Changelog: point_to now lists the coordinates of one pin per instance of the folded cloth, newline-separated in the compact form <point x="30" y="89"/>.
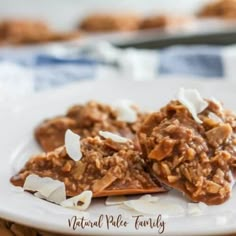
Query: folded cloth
<point x="205" y="61"/>
<point x="32" y="69"/>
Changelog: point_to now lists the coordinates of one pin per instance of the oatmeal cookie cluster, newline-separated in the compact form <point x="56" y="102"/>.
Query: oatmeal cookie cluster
<point x="195" y="158"/>
<point x="86" y="120"/>
<point x="18" y="32"/>
<point x="188" y="145"/>
<point x="129" y="22"/>
<point x="225" y="9"/>
<point x="106" y="168"/>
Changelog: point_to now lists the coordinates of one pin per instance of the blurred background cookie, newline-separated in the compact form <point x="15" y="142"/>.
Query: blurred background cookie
<point x="225" y="9"/>
<point x="110" y="22"/>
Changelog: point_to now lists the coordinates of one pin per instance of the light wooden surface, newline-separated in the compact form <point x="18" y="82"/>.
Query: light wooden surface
<point x="12" y="229"/>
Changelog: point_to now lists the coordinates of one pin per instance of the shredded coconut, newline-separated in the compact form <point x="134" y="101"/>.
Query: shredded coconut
<point x="193" y="101"/>
<point x="72" y="144"/>
<point x="114" y="137"/>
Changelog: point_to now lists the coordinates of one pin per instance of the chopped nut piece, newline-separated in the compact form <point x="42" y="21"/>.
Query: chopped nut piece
<point x="104" y="182"/>
<point x="186" y="173"/>
<point x="190" y="154"/>
<point x="163" y="149"/>
<point x="165" y="169"/>
<point x="67" y="167"/>
<point x="156" y="168"/>
<point x="212" y="187"/>
<point x="219" y="134"/>
<point x="79" y="169"/>
<point x="210" y="122"/>
<point x="172" y="178"/>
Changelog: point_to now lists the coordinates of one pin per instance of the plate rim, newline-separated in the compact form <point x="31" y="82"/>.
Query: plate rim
<point x="29" y="221"/>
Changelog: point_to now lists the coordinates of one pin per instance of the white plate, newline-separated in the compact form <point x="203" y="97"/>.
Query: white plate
<point x="17" y="144"/>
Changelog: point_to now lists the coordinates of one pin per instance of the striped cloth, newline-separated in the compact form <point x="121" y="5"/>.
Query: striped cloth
<point x="27" y="70"/>
<point x="24" y="71"/>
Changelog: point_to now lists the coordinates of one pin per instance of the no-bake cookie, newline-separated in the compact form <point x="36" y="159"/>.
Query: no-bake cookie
<point x="106" y="168"/>
<point x="110" y="22"/>
<point x="86" y="120"/>
<point x="162" y="22"/>
<point x="225" y="9"/>
<point x="195" y="155"/>
<point x="19" y="32"/>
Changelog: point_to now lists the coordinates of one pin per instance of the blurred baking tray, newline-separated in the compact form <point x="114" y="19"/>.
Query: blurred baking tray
<point x="211" y="31"/>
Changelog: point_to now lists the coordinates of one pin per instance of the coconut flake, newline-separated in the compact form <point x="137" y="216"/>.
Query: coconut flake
<point x="232" y="179"/>
<point x="214" y="117"/>
<point x="193" y="101"/>
<point x="148" y="204"/>
<point x="202" y="206"/>
<point x="115" y="200"/>
<point x="39" y="195"/>
<point x="125" y="111"/>
<point x="141" y="206"/>
<point x="46" y="188"/>
<point x="72" y="144"/>
<point x="80" y="202"/>
<point x="151" y="208"/>
<point x="51" y="198"/>
<point x="149" y="198"/>
<point x="114" y="137"/>
<point x="193" y="209"/>
<point x="196" y="209"/>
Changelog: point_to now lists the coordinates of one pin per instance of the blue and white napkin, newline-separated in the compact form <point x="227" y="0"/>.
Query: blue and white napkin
<point x="27" y="70"/>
